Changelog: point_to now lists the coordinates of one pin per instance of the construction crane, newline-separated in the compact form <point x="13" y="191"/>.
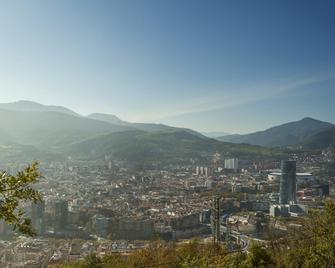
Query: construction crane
<point x="216" y="220"/>
<point x="216" y="160"/>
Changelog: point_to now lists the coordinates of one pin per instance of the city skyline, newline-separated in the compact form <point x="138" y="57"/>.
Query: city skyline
<point x="176" y="133"/>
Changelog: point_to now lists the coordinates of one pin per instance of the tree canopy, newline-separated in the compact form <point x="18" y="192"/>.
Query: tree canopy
<point x="15" y="189"/>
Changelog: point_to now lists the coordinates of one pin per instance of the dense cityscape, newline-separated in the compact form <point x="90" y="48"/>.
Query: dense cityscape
<point x="102" y="207"/>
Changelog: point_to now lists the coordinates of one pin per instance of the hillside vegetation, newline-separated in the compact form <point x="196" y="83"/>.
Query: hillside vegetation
<point x="288" y="134"/>
<point x="164" y="146"/>
<point x="321" y="140"/>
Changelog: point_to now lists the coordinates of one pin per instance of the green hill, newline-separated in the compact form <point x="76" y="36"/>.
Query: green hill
<point x="47" y="129"/>
<point x="165" y="146"/>
<point x="321" y="140"/>
<point x="284" y="135"/>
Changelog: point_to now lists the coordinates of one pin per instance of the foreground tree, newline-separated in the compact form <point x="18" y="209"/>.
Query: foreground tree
<point x="15" y="189"/>
<point x="257" y="256"/>
<point x="187" y="255"/>
<point x="310" y="245"/>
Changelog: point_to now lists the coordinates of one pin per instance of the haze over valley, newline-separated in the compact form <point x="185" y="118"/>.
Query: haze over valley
<point x="60" y="132"/>
<point x="167" y="134"/>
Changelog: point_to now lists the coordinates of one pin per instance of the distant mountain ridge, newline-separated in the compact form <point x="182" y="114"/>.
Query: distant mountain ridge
<point x="283" y="135"/>
<point x="117" y="123"/>
<point x="149" y="127"/>
<point x="31" y="123"/>
<point x="48" y="129"/>
<point x="110" y="118"/>
<point x="115" y="120"/>
<point x="215" y="134"/>
<point x="29" y="129"/>
<point x="30" y="106"/>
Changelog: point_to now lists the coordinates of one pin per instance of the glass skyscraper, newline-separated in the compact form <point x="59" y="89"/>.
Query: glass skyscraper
<point x="288" y="183"/>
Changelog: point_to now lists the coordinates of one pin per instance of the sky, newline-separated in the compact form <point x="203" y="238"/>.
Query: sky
<point x="234" y="66"/>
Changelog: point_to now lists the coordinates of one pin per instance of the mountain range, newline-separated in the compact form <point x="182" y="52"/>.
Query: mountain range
<point x="31" y="123"/>
<point x="290" y="134"/>
<point x="30" y="129"/>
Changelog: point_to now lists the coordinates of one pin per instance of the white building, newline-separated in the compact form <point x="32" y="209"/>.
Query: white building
<point x="231" y="163"/>
<point x="205" y="171"/>
<point x="301" y="177"/>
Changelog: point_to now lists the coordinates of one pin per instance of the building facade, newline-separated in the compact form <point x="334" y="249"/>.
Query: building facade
<point x="231" y="163"/>
<point x="288" y="183"/>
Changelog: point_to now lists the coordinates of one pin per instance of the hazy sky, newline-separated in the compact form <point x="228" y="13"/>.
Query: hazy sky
<point x="235" y="66"/>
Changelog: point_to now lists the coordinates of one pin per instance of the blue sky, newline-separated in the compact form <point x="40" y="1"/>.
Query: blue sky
<point x="235" y="66"/>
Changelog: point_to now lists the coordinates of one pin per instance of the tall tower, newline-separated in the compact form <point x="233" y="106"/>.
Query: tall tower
<point x="60" y="215"/>
<point x="37" y="216"/>
<point x="288" y="182"/>
<point x="216" y="219"/>
<point x="216" y="160"/>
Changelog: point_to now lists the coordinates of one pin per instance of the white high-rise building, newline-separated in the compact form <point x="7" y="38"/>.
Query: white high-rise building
<point x="201" y="170"/>
<point x="197" y="170"/>
<point x="231" y="163"/>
